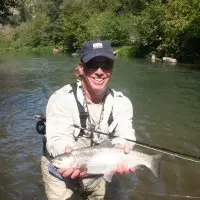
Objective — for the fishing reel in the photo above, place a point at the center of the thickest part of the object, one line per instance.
(41, 124)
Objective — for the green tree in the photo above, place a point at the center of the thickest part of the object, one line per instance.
(6, 10)
(149, 26)
(33, 33)
(182, 29)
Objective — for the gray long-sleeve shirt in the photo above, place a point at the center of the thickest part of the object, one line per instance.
(62, 113)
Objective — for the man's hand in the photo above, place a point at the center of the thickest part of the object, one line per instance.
(123, 168)
(72, 172)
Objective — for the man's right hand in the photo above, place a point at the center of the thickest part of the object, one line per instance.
(72, 172)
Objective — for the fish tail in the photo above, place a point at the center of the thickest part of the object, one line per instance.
(155, 164)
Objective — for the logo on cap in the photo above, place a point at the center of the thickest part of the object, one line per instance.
(97, 46)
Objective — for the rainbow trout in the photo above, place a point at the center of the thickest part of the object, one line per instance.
(99, 160)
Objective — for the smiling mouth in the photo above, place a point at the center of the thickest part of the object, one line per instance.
(98, 79)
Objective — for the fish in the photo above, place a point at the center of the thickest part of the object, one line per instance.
(102, 160)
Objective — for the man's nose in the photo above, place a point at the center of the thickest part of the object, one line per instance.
(99, 71)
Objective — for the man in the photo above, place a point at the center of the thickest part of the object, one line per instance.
(91, 105)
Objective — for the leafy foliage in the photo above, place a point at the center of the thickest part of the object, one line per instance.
(149, 26)
(33, 33)
(167, 27)
(182, 29)
(6, 10)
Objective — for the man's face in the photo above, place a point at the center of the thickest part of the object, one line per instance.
(97, 73)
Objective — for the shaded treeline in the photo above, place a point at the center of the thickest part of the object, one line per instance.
(166, 27)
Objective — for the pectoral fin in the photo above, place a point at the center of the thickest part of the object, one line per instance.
(106, 143)
(108, 175)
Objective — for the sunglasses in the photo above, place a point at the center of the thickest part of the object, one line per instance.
(96, 64)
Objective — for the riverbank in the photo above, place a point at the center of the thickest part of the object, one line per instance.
(9, 45)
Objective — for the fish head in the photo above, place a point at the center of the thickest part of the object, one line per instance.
(62, 161)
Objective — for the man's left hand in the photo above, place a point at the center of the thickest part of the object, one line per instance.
(123, 168)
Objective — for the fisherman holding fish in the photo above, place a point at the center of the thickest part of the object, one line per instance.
(75, 113)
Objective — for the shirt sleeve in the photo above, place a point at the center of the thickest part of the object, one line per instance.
(59, 129)
(124, 128)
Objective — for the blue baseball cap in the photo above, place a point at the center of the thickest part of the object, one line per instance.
(94, 48)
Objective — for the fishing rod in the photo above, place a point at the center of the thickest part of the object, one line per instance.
(150, 146)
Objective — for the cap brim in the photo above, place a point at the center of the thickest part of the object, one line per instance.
(91, 56)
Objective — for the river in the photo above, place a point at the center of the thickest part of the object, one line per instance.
(166, 101)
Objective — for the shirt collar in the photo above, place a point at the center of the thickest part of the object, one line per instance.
(80, 96)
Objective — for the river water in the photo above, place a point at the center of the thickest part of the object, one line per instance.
(166, 101)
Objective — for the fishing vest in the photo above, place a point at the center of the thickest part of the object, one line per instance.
(84, 115)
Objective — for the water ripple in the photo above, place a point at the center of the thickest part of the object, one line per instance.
(166, 112)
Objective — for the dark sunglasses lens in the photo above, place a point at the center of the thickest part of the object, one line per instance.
(107, 65)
